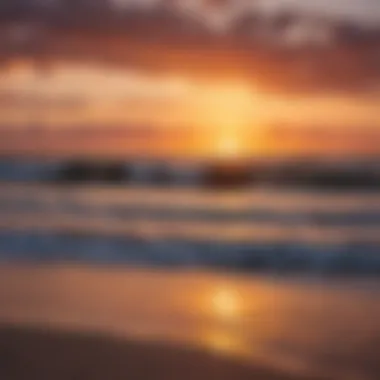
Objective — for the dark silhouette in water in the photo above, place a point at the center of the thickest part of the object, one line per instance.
(326, 178)
(344, 180)
(161, 176)
(213, 175)
(79, 172)
(227, 176)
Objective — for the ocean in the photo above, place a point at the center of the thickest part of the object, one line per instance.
(280, 278)
(251, 229)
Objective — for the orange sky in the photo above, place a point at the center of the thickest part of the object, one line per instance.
(230, 110)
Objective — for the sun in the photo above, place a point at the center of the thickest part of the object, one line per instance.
(228, 147)
(231, 144)
(225, 104)
(225, 112)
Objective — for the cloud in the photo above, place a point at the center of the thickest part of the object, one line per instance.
(358, 10)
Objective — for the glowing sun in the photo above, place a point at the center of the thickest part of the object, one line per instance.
(226, 304)
(228, 147)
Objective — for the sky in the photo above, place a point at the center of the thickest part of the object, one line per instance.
(92, 94)
(365, 11)
(113, 96)
(361, 10)
(224, 112)
(358, 10)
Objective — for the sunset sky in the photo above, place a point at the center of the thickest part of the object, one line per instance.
(360, 10)
(222, 110)
(107, 96)
(74, 96)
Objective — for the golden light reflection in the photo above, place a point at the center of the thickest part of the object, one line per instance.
(223, 342)
(225, 334)
(226, 304)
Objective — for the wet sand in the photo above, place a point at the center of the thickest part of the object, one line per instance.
(37, 354)
(162, 324)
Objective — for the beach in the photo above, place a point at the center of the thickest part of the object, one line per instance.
(28, 353)
(94, 322)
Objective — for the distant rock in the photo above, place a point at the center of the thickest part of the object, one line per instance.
(227, 176)
(79, 172)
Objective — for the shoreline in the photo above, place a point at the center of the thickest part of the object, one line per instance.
(284, 325)
(43, 354)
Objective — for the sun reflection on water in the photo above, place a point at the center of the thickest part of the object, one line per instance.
(224, 332)
(231, 320)
(226, 304)
(223, 342)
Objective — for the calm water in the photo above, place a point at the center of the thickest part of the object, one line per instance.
(312, 324)
(254, 229)
(317, 329)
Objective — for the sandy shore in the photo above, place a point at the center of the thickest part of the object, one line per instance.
(36, 354)
(144, 324)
